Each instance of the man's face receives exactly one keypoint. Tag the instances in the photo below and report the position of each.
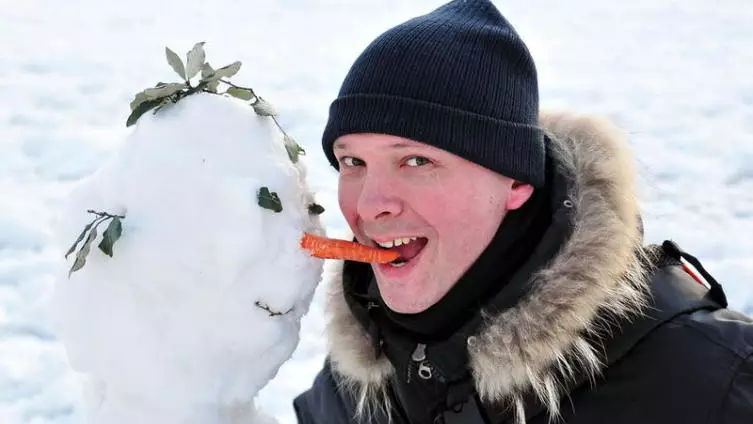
(442, 209)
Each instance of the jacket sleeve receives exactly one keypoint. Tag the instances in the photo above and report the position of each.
(738, 403)
(323, 403)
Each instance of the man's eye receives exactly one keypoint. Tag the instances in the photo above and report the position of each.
(417, 161)
(349, 161)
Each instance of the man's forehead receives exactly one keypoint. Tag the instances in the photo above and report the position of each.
(386, 141)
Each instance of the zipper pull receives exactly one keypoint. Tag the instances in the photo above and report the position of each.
(424, 371)
(419, 354)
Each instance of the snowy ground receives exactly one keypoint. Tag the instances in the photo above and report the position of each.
(675, 74)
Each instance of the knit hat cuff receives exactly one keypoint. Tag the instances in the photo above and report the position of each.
(520, 155)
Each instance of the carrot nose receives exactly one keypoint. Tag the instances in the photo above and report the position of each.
(327, 248)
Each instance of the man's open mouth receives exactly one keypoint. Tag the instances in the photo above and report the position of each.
(408, 248)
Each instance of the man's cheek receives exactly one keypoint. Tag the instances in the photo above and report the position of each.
(347, 201)
(349, 212)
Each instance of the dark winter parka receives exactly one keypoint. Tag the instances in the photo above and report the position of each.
(594, 328)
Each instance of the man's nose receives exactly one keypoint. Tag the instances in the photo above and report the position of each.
(379, 198)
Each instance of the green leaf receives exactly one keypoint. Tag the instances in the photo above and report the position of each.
(174, 60)
(164, 91)
(240, 93)
(110, 236)
(80, 237)
(227, 71)
(316, 209)
(166, 102)
(137, 100)
(206, 71)
(269, 200)
(195, 60)
(294, 149)
(141, 109)
(81, 255)
(212, 86)
(264, 108)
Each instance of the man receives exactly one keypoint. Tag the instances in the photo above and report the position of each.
(524, 293)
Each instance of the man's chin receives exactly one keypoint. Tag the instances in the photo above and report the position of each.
(409, 307)
(406, 299)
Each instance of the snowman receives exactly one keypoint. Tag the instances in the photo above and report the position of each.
(191, 256)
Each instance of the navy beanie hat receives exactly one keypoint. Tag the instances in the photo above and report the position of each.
(459, 79)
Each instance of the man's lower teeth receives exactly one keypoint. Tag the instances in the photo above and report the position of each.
(398, 264)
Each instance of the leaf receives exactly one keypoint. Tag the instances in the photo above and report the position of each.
(269, 200)
(165, 102)
(316, 209)
(164, 91)
(110, 236)
(227, 71)
(206, 71)
(80, 237)
(212, 86)
(294, 149)
(81, 255)
(138, 99)
(264, 108)
(240, 93)
(150, 98)
(142, 109)
(174, 60)
(195, 60)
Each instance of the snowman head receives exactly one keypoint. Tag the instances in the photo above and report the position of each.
(207, 282)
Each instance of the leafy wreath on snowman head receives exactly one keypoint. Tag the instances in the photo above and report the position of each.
(162, 96)
(165, 94)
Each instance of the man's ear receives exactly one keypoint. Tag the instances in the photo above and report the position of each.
(519, 194)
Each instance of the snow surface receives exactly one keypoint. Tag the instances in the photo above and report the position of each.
(675, 74)
(169, 329)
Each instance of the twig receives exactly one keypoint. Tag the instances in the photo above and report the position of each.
(274, 118)
(272, 313)
(256, 98)
(105, 214)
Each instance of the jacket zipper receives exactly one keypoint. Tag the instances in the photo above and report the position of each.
(418, 359)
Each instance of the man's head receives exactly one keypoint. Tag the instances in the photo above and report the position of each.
(393, 188)
(435, 122)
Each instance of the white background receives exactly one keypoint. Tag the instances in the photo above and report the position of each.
(676, 75)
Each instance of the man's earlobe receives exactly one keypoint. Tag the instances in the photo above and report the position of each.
(519, 194)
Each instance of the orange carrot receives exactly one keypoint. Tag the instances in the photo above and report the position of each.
(327, 248)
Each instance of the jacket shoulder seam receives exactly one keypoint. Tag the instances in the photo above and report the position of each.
(740, 354)
(714, 414)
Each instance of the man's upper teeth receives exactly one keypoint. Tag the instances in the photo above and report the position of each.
(397, 242)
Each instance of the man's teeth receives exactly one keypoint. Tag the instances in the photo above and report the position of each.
(397, 242)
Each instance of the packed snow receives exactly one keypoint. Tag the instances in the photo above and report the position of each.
(675, 75)
(201, 301)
